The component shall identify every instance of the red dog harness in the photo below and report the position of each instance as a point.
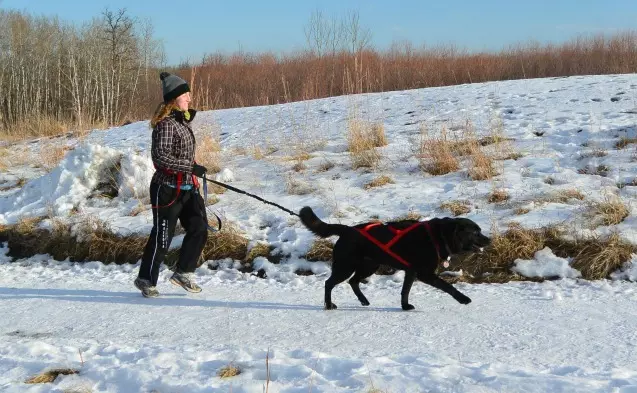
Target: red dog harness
(180, 179)
(398, 234)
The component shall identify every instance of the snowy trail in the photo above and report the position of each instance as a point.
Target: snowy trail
(520, 337)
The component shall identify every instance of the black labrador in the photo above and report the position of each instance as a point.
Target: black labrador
(361, 249)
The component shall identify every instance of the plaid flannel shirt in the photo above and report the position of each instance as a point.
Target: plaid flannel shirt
(173, 149)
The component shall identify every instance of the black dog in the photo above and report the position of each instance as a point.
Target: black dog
(420, 247)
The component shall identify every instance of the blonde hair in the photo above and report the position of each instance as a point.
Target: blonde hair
(163, 110)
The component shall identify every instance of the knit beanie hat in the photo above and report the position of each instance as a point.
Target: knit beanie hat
(172, 86)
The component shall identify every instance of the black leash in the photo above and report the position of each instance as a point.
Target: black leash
(250, 195)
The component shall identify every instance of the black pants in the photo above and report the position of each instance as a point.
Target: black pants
(189, 208)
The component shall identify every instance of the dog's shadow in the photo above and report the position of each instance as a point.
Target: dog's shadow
(170, 299)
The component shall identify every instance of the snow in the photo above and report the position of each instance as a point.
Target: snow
(545, 264)
(566, 335)
(628, 271)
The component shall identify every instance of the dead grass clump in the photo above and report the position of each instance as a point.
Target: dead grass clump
(566, 195)
(411, 215)
(481, 166)
(362, 139)
(229, 371)
(297, 187)
(258, 250)
(51, 155)
(596, 259)
(325, 166)
(95, 241)
(230, 242)
(208, 153)
(456, 208)
(321, 250)
(609, 211)
(520, 211)
(435, 154)
(378, 182)
(505, 248)
(498, 196)
(623, 142)
(39, 126)
(377, 131)
(50, 376)
(562, 196)
(600, 170)
(299, 167)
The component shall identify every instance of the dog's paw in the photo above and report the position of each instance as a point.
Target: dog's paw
(462, 299)
(330, 306)
(365, 302)
(408, 307)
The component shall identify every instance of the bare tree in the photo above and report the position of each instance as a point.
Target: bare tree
(357, 37)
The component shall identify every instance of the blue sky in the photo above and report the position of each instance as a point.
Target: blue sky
(191, 28)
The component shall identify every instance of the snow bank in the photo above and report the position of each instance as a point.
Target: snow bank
(76, 178)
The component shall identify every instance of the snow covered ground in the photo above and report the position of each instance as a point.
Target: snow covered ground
(568, 335)
(563, 336)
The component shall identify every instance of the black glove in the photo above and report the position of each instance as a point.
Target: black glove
(199, 170)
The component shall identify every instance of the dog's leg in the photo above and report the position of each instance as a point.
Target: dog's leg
(441, 284)
(338, 276)
(410, 276)
(362, 272)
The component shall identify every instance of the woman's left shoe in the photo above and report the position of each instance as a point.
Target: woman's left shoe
(186, 281)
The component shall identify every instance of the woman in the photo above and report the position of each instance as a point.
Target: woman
(174, 190)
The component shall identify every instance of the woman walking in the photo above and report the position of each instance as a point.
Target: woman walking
(174, 193)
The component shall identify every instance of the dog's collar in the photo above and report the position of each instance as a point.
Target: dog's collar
(445, 263)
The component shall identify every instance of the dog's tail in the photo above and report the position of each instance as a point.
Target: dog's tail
(318, 227)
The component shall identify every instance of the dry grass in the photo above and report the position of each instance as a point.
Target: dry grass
(623, 142)
(600, 170)
(50, 376)
(598, 258)
(457, 208)
(609, 211)
(521, 211)
(362, 140)
(30, 127)
(378, 182)
(52, 154)
(497, 259)
(377, 132)
(297, 187)
(562, 196)
(258, 250)
(97, 241)
(229, 371)
(230, 242)
(595, 258)
(208, 153)
(321, 250)
(481, 166)
(435, 153)
(325, 166)
(498, 196)
(411, 215)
